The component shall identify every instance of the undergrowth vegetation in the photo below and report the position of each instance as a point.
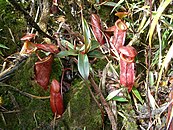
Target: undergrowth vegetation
(112, 59)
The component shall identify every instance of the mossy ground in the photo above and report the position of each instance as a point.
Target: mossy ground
(82, 112)
(28, 112)
(31, 113)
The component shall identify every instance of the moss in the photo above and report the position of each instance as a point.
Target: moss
(81, 111)
(12, 25)
(32, 112)
(56, 69)
(100, 64)
(36, 113)
(128, 122)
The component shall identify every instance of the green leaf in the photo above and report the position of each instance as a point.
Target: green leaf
(95, 54)
(3, 46)
(151, 78)
(83, 65)
(137, 95)
(119, 99)
(87, 35)
(167, 23)
(66, 43)
(113, 94)
(112, 4)
(94, 45)
(62, 54)
(1, 53)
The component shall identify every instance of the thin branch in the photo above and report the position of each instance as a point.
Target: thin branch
(104, 103)
(29, 18)
(98, 104)
(12, 36)
(23, 93)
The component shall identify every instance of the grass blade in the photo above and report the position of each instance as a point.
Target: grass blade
(165, 64)
(160, 10)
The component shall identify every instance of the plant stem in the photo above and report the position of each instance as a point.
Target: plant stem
(23, 93)
(104, 103)
(98, 104)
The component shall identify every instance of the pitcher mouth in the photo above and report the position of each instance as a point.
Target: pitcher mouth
(120, 25)
(126, 58)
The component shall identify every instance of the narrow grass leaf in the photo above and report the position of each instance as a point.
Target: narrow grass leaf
(137, 95)
(112, 4)
(152, 101)
(1, 53)
(113, 94)
(117, 4)
(119, 99)
(160, 10)
(151, 78)
(143, 21)
(169, 25)
(122, 115)
(160, 45)
(3, 46)
(165, 64)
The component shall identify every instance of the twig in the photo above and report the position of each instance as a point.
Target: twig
(36, 17)
(98, 104)
(16, 106)
(93, 96)
(35, 119)
(24, 93)
(29, 18)
(3, 119)
(104, 103)
(12, 36)
(4, 74)
(31, 12)
(8, 112)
